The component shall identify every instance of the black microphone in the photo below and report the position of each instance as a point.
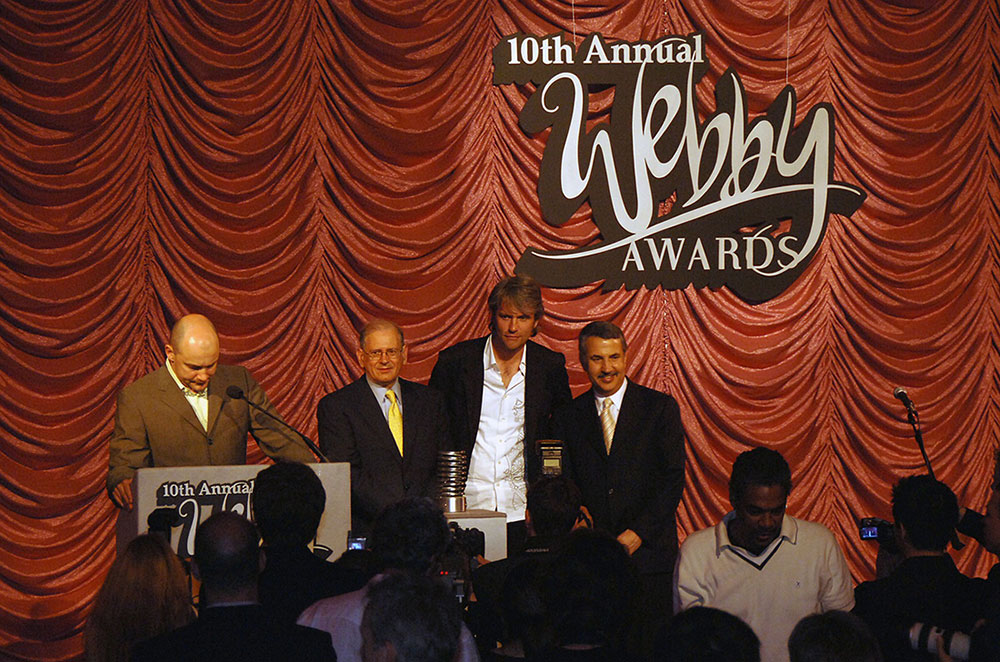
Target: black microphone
(914, 419)
(236, 393)
(900, 394)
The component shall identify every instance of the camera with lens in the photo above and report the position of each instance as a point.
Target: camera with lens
(873, 528)
(955, 644)
(461, 558)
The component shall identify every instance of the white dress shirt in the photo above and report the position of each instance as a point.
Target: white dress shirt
(198, 401)
(496, 468)
(616, 401)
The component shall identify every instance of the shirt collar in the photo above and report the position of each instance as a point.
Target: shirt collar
(379, 391)
(789, 531)
(490, 360)
(616, 398)
(184, 389)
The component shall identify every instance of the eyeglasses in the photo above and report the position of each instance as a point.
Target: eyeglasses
(378, 354)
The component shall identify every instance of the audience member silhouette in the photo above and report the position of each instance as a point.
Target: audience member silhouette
(554, 508)
(833, 636)
(288, 503)
(926, 587)
(410, 618)
(232, 625)
(589, 595)
(146, 593)
(407, 536)
(706, 634)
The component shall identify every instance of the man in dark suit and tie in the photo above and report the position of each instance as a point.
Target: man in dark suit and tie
(500, 392)
(624, 449)
(389, 429)
(181, 414)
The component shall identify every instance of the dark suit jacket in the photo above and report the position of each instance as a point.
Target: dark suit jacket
(458, 374)
(156, 427)
(353, 429)
(924, 589)
(238, 634)
(294, 578)
(637, 486)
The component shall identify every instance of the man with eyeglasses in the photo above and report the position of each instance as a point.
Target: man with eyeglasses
(388, 428)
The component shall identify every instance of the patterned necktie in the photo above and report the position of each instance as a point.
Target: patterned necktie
(395, 420)
(607, 424)
(199, 403)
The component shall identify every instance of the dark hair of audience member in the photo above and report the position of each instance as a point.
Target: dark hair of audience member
(520, 291)
(589, 594)
(227, 553)
(599, 329)
(410, 534)
(554, 505)
(759, 466)
(288, 503)
(927, 509)
(145, 594)
(522, 605)
(833, 636)
(706, 634)
(417, 614)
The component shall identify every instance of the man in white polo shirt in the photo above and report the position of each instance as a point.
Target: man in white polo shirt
(766, 567)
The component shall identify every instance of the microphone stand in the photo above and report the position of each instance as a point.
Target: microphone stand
(309, 442)
(914, 420)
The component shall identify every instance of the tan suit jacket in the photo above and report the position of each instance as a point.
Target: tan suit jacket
(156, 427)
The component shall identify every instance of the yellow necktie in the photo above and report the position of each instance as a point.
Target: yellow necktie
(395, 420)
(607, 424)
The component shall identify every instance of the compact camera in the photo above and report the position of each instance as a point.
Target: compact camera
(956, 644)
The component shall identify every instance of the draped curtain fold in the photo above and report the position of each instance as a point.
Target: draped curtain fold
(292, 169)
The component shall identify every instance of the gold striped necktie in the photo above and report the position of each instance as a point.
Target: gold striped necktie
(607, 424)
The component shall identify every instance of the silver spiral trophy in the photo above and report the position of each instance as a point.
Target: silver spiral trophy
(453, 470)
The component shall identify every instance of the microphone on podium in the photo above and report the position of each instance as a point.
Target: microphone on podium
(236, 393)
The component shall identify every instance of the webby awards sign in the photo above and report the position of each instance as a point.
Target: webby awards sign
(725, 202)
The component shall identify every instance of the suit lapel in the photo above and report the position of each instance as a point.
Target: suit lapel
(410, 402)
(628, 418)
(533, 388)
(174, 398)
(473, 377)
(216, 396)
(591, 424)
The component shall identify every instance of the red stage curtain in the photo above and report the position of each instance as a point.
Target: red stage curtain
(294, 168)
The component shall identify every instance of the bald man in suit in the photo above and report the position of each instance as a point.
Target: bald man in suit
(181, 414)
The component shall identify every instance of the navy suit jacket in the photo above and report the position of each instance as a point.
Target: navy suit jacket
(352, 428)
(638, 485)
(458, 374)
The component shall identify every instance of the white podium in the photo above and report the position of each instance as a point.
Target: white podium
(197, 492)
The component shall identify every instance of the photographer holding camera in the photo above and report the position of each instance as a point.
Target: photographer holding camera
(926, 587)
(986, 638)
